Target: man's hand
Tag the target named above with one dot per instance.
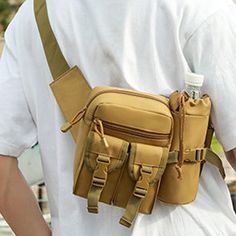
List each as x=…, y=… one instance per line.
x=231, y=157
x=17, y=202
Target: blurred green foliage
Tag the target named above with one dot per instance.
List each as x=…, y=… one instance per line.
x=7, y=11
x=216, y=147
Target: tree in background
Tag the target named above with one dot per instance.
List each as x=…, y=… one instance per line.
x=7, y=11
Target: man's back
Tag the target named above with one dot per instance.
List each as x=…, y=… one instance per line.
x=143, y=45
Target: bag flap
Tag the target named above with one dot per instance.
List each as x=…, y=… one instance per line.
x=116, y=151
x=147, y=155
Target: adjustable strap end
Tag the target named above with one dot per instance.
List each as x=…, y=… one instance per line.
x=66, y=126
x=125, y=222
x=92, y=209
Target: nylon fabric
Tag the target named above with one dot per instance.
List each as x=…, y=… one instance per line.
x=56, y=61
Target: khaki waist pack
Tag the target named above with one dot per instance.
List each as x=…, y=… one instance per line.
x=131, y=147
x=134, y=146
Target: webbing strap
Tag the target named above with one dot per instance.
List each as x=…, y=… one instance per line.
x=93, y=198
x=194, y=155
x=212, y=158
x=209, y=135
x=55, y=58
x=200, y=155
x=131, y=211
x=135, y=200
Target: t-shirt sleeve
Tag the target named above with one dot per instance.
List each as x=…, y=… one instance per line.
x=211, y=51
x=17, y=128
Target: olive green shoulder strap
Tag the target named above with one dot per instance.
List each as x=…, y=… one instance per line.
x=69, y=87
x=55, y=58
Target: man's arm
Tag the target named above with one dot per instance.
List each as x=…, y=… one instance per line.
x=17, y=202
x=231, y=157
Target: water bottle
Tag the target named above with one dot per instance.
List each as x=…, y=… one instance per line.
x=193, y=84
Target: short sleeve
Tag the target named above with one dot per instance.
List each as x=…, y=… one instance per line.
x=211, y=51
x=17, y=128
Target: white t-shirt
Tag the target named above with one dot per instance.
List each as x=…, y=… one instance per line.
x=146, y=45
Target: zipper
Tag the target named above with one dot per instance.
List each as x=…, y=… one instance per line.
x=99, y=126
x=133, y=93
x=134, y=131
x=80, y=114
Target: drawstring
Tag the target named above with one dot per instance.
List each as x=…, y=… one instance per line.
x=179, y=171
x=178, y=166
x=100, y=131
x=77, y=117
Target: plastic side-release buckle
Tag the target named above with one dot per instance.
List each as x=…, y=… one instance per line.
x=98, y=182
x=100, y=172
x=142, y=184
x=200, y=154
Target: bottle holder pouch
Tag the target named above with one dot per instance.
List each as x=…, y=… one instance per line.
x=181, y=190
x=191, y=117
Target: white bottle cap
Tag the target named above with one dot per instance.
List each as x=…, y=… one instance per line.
x=194, y=79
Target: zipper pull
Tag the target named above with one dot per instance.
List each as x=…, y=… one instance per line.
x=105, y=142
x=100, y=131
x=66, y=126
x=69, y=124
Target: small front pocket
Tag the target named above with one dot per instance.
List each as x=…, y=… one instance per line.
x=146, y=166
x=102, y=167
x=135, y=125
x=116, y=151
x=194, y=131
x=131, y=134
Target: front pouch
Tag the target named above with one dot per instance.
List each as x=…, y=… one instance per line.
x=180, y=181
x=101, y=169
x=145, y=168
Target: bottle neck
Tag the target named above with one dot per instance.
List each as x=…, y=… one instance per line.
x=193, y=91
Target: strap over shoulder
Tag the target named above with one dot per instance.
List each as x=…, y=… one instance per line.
x=56, y=61
x=69, y=87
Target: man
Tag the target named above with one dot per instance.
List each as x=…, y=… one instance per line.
x=143, y=45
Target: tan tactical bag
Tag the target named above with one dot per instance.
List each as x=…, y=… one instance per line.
x=122, y=150
x=124, y=144
x=132, y=147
